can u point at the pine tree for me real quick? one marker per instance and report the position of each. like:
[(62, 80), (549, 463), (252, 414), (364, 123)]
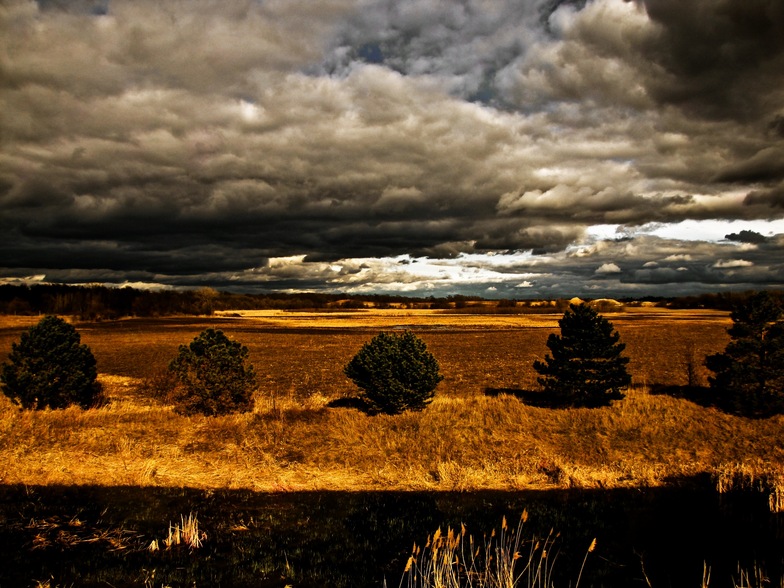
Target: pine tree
[(749, 374), (395, 373), (213, 378), (51, 368), (586, 367)]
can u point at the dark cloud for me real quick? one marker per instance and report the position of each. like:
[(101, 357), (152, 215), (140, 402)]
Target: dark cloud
[(747, 237), (720, 54), (776, 126), (198, 143), (771, 198), (716, 59), (765, 165), (34, 194)]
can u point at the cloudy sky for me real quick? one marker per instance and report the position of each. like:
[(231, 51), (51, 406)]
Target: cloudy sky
[(505, 148)]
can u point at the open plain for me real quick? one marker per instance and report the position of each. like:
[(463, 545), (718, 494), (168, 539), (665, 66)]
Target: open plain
[(481, 432)]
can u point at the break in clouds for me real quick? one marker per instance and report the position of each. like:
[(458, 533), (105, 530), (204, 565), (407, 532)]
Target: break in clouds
[(504, 148)]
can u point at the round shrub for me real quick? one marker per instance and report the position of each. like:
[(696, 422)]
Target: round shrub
[(395, 372), (212, 376), (51, 368)]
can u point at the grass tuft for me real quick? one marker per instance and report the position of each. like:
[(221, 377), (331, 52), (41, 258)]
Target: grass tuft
[(185, 533)]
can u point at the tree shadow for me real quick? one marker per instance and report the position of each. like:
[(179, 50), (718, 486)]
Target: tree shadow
[(350, 402), (535, 398), (731, 403), (701, 395)]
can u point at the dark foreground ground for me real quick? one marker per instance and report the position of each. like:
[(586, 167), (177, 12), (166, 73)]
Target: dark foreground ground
[(98, 536)]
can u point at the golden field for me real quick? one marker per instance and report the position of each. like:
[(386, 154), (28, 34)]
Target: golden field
[(477, 434)]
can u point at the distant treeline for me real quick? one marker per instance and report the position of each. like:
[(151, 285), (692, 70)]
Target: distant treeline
[(718, 301), (96, 302)]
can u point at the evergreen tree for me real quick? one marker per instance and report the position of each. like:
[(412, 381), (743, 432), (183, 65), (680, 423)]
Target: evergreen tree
[(213, 378), (586, 367), (395, 372), (749, 374), (51, 368)]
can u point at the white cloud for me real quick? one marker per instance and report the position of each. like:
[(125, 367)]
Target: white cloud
[(732, 263), (150, 286), (608, 268), (712, 229), (24, 280)]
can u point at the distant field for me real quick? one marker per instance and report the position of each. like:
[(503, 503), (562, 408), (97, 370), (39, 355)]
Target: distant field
[(476, 434), (304, 352)]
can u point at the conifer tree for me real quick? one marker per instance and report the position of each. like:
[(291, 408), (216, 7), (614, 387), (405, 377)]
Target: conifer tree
[(213, 378), (749, 374), (586, 367), (395, 372), (51, 368)]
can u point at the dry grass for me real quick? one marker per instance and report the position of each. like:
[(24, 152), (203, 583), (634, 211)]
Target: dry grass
[(465, 440), (186, 532), (458, 443)]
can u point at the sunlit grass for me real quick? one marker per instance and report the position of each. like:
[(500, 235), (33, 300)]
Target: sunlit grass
[(465, 440), (458, 443)]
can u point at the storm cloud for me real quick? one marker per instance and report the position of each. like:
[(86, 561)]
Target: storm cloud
[(382, 145)]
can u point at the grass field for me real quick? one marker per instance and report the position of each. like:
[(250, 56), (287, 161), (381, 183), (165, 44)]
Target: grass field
[(477, 434)]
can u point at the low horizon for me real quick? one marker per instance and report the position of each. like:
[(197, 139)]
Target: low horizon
[(206, 294)]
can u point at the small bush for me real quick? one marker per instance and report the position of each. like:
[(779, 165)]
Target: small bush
[(51, 368), (213, 379), (395, 372)]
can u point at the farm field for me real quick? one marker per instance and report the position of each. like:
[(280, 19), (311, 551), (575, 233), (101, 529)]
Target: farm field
[(479, 433)]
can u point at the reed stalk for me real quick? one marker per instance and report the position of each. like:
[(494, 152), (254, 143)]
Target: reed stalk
[(502, 560)]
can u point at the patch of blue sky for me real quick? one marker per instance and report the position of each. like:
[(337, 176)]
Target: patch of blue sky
[(93, 7), (371, 53)]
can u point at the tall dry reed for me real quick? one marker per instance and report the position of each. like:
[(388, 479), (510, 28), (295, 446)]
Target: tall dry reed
[(502, 560)]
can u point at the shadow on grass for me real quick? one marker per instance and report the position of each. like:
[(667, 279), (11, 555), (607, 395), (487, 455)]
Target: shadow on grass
[(701, 395), (99, 536), (528, 397), (731, 403), (349, 402)]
